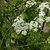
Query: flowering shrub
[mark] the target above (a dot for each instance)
(25, 25)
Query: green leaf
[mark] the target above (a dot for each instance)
(48, 24)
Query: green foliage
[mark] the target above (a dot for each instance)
(9, 10)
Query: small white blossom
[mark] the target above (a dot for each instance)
(26, 5)
(25, 27)
(35, 29)
(24, 32)
(35, 24)
(18, 31)
(31, 25)
(43, 5)
(40, 26)
(41, 13)
(47, 19)
(20, 17)
(30, 3)
(40, 20)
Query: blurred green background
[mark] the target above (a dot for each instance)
(9, 40)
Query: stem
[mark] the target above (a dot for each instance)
(42, 27)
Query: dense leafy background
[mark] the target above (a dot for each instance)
(9, 40)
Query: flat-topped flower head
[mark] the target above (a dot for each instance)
(40, 20)
(24, 32)
(30, 3)
(41, 14)
(47, 19)
(44, 5)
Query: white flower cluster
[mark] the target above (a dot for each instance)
(20, 25)
(33, 25)
(44, 5)
(42, 13)
(40, 20)
(47, 19)
(30, 3)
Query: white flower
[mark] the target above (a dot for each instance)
(48, 39)
(18, 31)
(40, 20)
(26, 5)
(20, 25)
(41, 13)
(25, 27)
(31, 25)
(47, 19)
(24, 32)
(41, 9)
(35, 29)
(20, 17)
(43, 5)
(47, 6)
(30, 3)
(40, 26)
(35, 24)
